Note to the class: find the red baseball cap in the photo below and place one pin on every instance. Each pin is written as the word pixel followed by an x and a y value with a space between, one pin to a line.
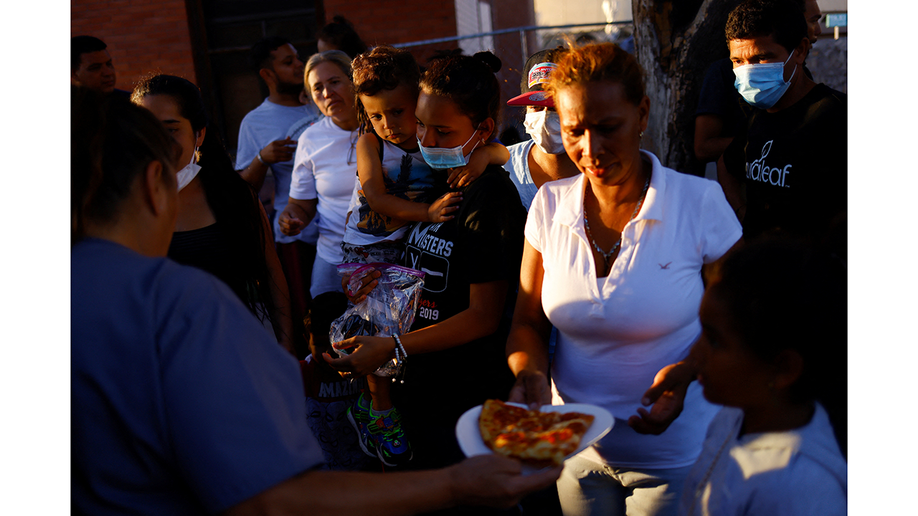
pixel 540 68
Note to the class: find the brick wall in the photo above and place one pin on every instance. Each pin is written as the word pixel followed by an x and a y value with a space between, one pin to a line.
pixel 418 20
pixel 398 22
pixel 142 36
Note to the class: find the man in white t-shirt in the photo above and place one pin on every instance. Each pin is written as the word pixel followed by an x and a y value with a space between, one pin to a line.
pixel 265 143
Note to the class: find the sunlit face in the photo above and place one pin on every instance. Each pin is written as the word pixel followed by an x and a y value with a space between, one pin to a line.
pixel 332 90
pixel 287 69
pixel 441 124
pixel 96 72
pixel 166 109
pixel 601 130
pixel 730 373
pixel 761 49
pixel 392 113
pixel 813 16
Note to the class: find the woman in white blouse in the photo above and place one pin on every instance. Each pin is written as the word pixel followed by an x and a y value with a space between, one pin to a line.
pixel 613 258
pixel 325 166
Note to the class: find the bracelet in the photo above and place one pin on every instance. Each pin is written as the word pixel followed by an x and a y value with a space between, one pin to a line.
pixel 398 345
pixel 400 361
pixel 261 160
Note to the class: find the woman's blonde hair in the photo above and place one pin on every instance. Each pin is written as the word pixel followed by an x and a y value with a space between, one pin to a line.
pixel 599 62
pixel 329 56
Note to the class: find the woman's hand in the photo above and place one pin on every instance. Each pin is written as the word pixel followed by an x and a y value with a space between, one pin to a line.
pixel 667 394
pixel 367 354
pixel 289 223
pixel 496 481
pixel 439 210
pixel 296 215
pixel 531 388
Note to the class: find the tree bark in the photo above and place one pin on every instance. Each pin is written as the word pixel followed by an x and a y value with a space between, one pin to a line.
pixel 675 42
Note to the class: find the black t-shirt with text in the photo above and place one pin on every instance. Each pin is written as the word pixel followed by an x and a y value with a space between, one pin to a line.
pixel 483 243
pixel 794 165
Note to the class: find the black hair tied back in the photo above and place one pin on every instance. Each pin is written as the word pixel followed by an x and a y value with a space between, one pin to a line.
pixel 490 60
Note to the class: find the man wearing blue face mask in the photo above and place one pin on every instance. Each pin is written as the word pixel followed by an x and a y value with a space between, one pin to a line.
pixel 787 168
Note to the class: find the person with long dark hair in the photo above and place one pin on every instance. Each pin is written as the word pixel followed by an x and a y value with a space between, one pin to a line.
pixel 221 227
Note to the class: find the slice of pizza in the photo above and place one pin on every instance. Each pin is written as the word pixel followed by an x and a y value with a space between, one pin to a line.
pixel 536 438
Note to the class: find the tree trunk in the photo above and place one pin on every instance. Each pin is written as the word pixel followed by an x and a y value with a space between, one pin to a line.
pixel 675 42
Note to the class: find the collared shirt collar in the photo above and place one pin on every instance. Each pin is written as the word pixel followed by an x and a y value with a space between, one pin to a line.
pixel 570 212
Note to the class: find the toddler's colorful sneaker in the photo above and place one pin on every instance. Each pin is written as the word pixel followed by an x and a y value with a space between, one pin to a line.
pixel 392 447
pixel 359 416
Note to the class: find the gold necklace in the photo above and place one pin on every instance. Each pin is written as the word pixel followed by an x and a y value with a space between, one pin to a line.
pixel 586 222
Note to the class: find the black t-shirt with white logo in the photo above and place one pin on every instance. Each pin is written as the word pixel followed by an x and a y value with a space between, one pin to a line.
pixel 483 243
pixel 794 165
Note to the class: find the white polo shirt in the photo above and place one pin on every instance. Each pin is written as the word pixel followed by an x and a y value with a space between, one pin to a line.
pixel 617 332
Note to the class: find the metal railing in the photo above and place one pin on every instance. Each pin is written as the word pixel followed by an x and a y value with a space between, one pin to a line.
pixel 524 45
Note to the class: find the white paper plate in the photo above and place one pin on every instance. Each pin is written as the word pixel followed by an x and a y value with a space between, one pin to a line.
pixel 472 444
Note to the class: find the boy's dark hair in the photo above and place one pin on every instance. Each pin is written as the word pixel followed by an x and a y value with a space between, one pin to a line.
pixel 383 68
pixel 260 54
pixel 787 294
pixel 340 34
pixel 469 82
pixel 80 45
pixel 783 20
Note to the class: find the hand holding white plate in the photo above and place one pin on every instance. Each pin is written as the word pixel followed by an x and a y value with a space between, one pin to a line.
pixel 471 443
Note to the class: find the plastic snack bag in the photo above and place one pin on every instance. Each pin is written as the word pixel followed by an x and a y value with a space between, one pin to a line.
pixel 388 310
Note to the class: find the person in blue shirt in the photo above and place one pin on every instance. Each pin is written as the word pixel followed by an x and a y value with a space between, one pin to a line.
pixel 181 402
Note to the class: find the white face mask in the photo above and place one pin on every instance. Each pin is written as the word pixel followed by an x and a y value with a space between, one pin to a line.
pixel 545 129
pixel 188 173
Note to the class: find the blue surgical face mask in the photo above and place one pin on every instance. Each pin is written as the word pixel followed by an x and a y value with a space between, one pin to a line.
pixel 442 157
pixel 762 84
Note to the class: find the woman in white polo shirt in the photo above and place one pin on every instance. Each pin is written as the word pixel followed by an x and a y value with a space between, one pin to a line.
pixel 613 258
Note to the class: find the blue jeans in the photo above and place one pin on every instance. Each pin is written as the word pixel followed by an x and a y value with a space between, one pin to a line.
pixel 325 278
pixel 590 488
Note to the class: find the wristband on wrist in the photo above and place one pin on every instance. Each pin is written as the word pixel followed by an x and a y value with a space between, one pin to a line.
pixel 398 344
pixel 400 360
pixel 261 160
